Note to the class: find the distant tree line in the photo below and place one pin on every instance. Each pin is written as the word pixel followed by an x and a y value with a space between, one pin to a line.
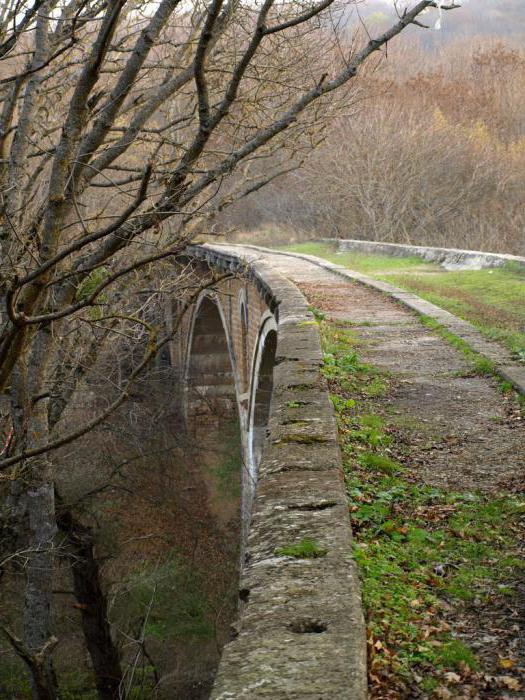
pixel 438 160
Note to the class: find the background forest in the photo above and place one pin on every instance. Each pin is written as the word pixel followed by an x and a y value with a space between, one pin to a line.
pixel 439 157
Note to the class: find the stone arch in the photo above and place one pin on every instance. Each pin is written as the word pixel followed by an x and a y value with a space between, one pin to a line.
pixel 215 387
pixel 244 352
pixel 211 380
pixel 261 387
pixel 214 424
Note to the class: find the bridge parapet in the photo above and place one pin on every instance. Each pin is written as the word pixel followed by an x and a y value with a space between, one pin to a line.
pixel 449 258
pixel 301 632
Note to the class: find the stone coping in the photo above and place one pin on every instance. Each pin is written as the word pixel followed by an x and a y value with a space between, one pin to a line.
pixel 301 633
pixel 449 258
pixel 505 366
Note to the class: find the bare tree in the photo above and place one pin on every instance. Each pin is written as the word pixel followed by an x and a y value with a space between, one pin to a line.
pixel 451 176
pixel 119 123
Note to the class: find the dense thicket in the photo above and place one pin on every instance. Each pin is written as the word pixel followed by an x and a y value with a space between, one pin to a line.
pixel 438 157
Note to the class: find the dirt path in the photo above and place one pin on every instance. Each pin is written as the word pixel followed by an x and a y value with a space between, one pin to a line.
pixel 468 435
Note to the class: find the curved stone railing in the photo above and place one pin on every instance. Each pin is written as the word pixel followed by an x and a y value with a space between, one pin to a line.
pixel 301 632
pixel 449 258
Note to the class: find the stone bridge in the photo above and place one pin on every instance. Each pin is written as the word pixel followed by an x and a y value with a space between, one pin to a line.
pixel 250 347
pixel 253 343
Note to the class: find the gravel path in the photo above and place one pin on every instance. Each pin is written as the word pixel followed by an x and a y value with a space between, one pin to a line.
pixel 465 434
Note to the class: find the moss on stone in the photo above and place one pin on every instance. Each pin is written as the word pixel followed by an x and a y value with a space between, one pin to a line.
pixel 305 549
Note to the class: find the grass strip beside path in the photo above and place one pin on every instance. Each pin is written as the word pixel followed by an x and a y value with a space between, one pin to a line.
pixel 440 571
pixel 492 300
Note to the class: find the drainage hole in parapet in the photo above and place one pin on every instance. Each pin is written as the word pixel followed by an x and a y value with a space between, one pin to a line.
pixel 308 626
pixel 322 505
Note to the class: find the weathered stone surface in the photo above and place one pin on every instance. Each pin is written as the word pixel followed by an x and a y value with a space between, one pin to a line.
pixel 290 456
pixel 449 258
pixel 301 633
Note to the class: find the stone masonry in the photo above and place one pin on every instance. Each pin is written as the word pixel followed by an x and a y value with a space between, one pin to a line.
pixel 300 633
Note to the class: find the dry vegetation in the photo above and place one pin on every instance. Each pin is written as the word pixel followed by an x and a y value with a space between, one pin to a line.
pixel 439 158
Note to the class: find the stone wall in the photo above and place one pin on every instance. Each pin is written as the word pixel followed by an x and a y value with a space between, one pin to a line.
pixel 449 258
pixel 301 632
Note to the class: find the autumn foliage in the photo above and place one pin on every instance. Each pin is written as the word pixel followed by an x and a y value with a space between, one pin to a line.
pixel 436 158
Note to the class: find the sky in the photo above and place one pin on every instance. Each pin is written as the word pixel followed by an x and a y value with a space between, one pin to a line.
pixel 495 17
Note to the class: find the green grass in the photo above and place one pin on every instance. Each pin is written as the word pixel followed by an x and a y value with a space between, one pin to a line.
pixel 305 549
pixel 380 463
pixel 368 264
pixel 492 300
pixel 481 365
pixel 454 654
pixel 421 551
pixel 172 596
pixel 73 685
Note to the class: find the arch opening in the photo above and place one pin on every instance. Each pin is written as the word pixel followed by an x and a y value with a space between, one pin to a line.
pixel 262 387
pixel 213 453
pixel 244 342
pixel 210 379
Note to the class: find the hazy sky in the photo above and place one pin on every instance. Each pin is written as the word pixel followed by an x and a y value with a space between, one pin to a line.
pixel 475 16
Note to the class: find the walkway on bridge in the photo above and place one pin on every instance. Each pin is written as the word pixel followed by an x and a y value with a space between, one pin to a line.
pixel 475 444
pixel 460 433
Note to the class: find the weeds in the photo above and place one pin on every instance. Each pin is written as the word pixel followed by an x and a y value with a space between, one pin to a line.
pixel 421 551
pixel 345 368
pixel 318 315
pixel 380 463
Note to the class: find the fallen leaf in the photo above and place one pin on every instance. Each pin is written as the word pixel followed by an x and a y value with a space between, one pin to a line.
pixel 452 677
pixel 506 663
pixel 510 682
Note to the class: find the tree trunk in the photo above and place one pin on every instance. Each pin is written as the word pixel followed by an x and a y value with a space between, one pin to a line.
pixel 39 579
pixel 92 602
